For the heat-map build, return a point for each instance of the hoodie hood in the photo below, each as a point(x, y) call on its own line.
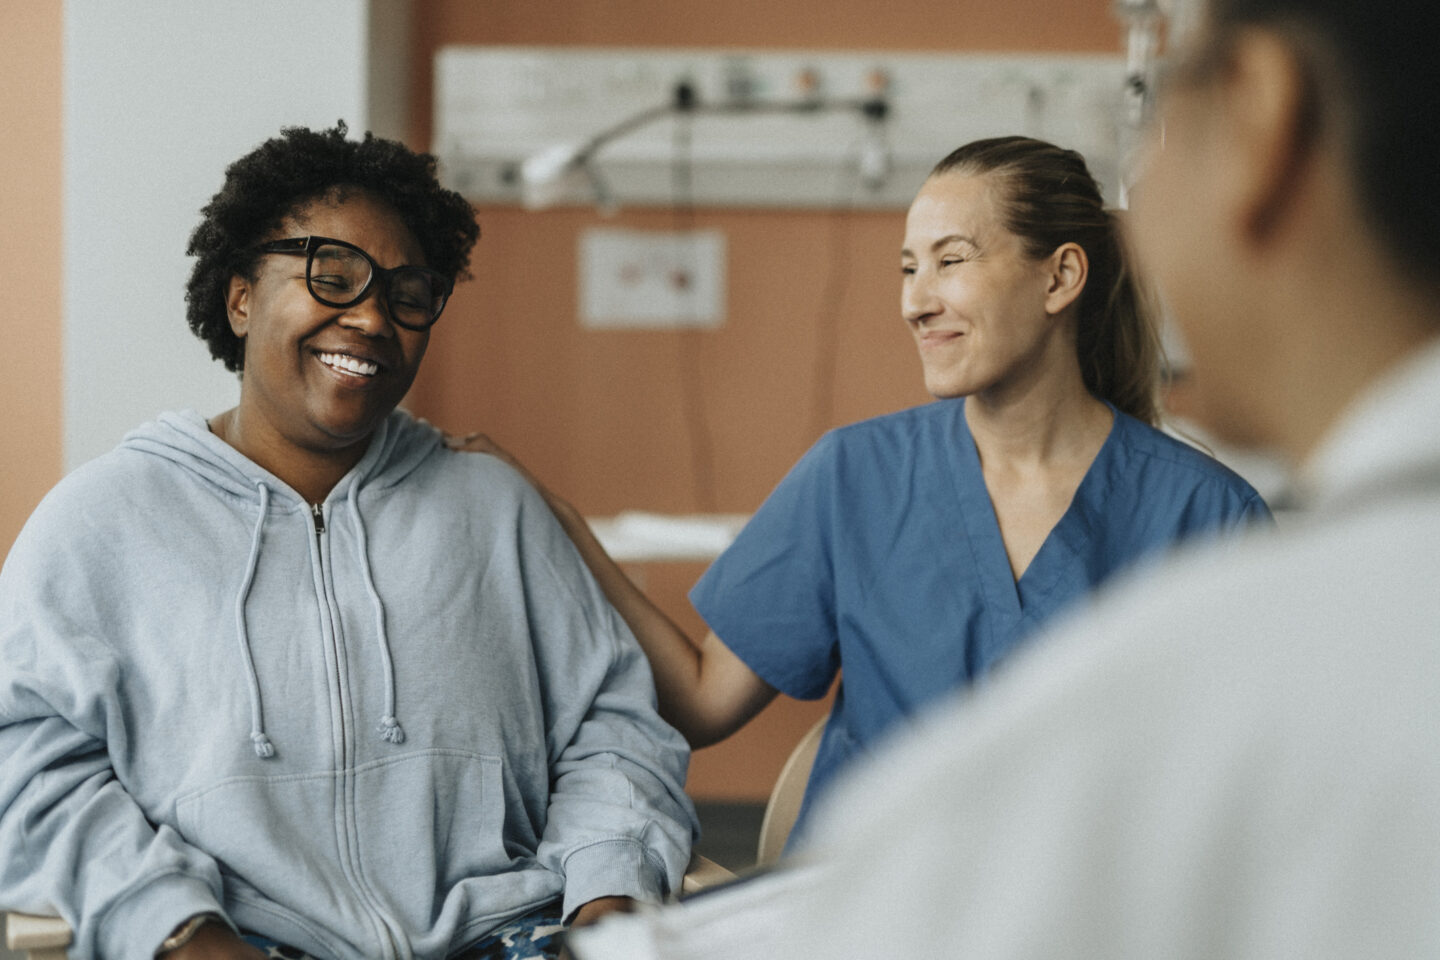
point(399, 445)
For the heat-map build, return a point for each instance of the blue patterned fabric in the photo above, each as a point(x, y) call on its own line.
point(535, 936)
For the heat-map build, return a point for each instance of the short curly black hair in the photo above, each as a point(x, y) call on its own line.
point(283, 174)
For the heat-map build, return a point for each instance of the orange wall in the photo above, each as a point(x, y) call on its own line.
point(30, 217)
point(700, 420)
point(812, 339)
point(660, 421)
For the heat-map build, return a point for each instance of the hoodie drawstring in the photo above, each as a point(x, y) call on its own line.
point(264, 749)
point(390, 727)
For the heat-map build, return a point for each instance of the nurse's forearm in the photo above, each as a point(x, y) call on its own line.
point(674, 657)
point(704, 690)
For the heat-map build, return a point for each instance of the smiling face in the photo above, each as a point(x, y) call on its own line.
point(319, 379)
point(980, 307)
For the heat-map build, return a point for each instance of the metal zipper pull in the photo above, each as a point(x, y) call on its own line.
point(319, 515)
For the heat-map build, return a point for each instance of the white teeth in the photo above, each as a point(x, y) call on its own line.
point(341, 361)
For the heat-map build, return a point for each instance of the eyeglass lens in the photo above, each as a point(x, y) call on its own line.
point(338, 276)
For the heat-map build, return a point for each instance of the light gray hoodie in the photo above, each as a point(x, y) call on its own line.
point(378, 728)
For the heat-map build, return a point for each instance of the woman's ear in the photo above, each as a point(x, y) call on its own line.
point(1272, 129)
point(237, 305)
point(1069, 268)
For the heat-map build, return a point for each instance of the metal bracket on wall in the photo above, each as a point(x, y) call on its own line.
point(746, 141)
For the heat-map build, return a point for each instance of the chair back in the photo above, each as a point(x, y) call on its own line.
point(38, 938)
point(783, 806)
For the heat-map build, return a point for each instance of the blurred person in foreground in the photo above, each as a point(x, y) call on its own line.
point(1238, 756)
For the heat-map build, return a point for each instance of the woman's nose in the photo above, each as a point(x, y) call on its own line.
point(917, 299)
point(371, 315)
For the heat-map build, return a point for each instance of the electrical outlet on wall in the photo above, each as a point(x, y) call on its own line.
point(652, 278)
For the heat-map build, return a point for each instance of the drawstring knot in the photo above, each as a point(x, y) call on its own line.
point(391, 730)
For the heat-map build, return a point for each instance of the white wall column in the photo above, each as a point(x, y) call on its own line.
point(161, 95)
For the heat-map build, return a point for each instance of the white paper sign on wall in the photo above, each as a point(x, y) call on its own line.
point(651, 278)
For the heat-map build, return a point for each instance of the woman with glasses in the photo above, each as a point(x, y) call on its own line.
point(913, 552)
point(297, 678)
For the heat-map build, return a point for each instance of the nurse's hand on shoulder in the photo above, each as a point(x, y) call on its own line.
point(481, 443)
point(478, 442)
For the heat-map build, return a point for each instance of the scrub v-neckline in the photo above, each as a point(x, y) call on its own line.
point(1056, 559)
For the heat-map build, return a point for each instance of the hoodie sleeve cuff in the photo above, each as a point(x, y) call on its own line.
point(611, 868)
point(136, 926)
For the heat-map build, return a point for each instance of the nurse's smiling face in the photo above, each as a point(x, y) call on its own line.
point(319, 379)
point(976, 301)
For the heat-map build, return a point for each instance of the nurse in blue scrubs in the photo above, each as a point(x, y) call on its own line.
point(915, 551)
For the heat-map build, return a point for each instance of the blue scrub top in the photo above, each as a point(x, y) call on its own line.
point(880, 553)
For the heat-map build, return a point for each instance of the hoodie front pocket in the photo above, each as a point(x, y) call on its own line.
point(428, 821)
point(277, 841)
point(395, 834)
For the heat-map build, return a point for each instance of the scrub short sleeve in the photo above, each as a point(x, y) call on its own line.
point(770, 597)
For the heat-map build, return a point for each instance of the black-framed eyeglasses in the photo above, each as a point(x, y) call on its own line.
point(339, 274)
